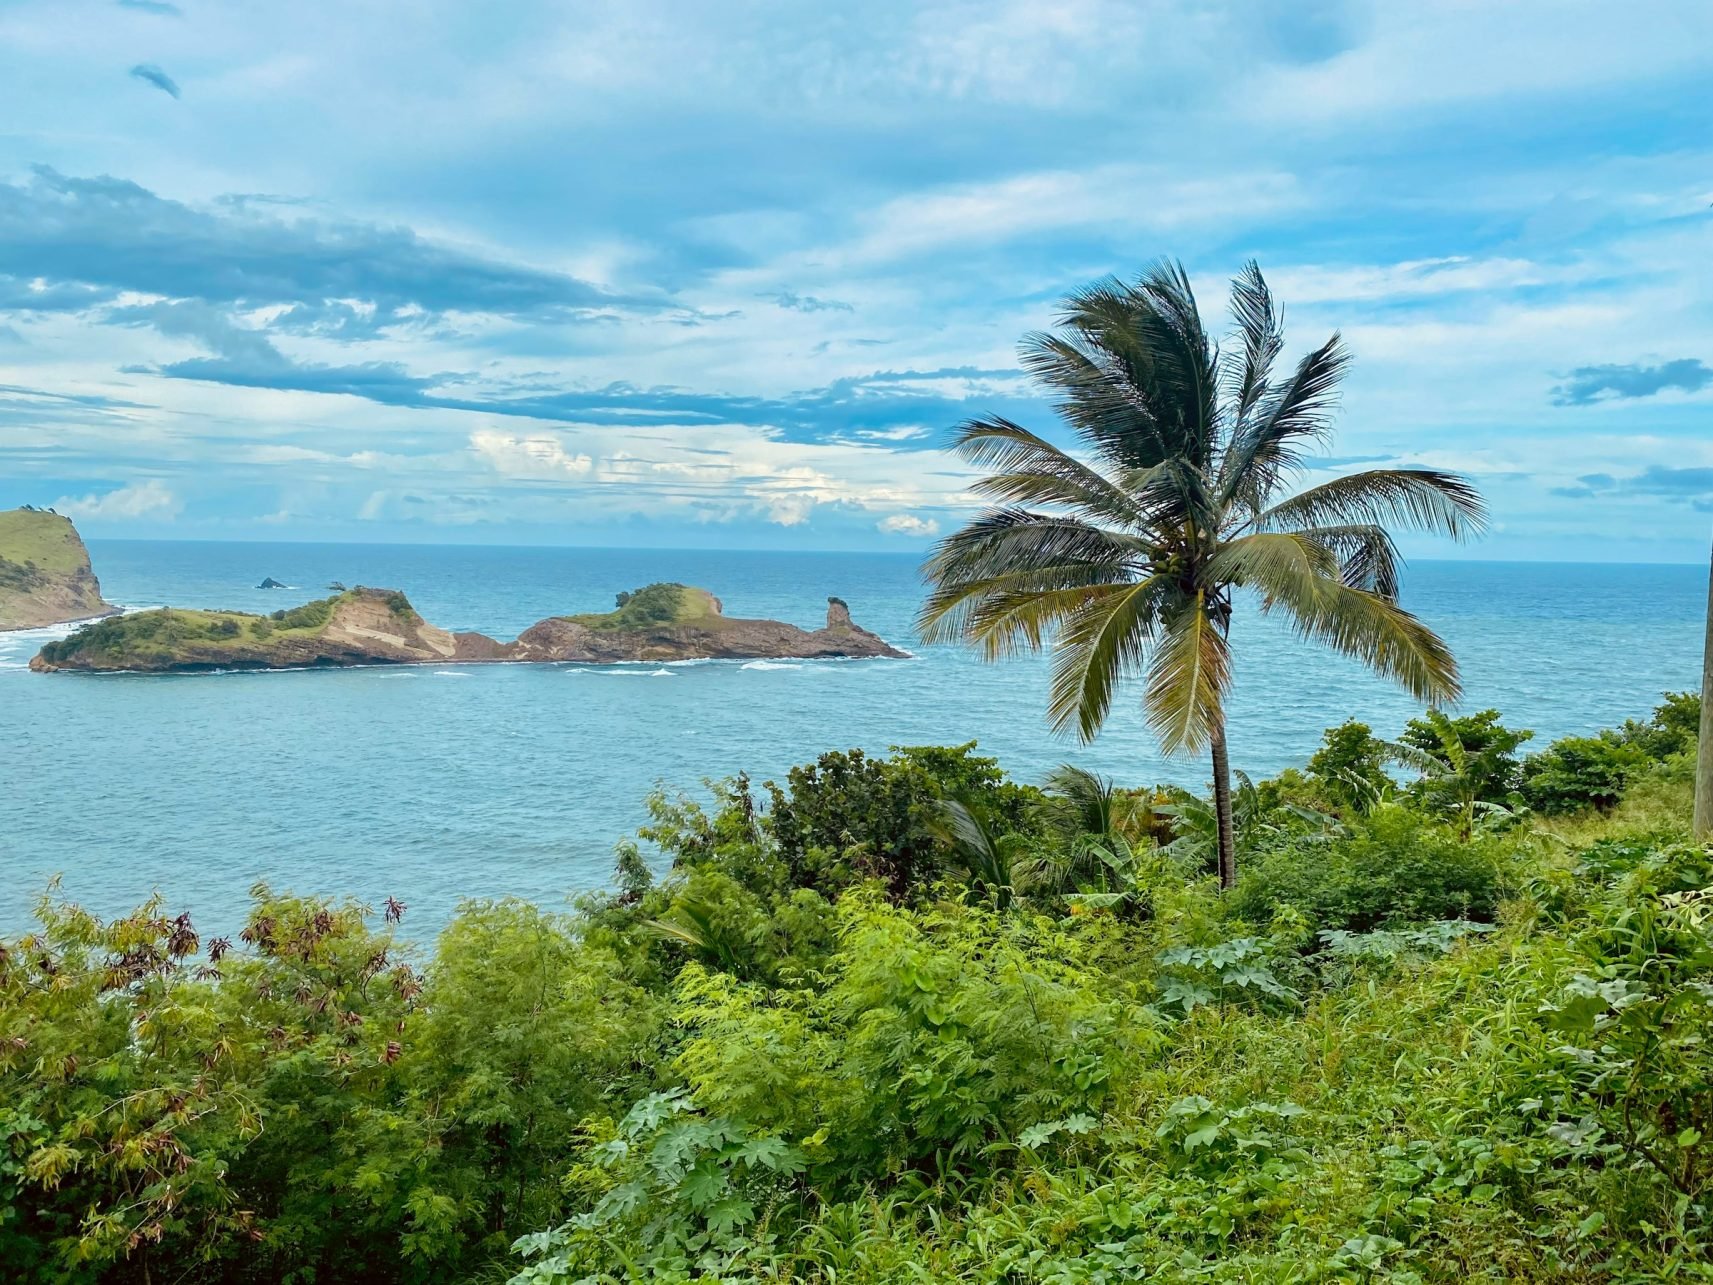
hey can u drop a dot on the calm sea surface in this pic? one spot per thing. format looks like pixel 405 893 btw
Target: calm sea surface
pixel 436 784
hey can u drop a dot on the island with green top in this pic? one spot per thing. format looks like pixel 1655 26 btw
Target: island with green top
pixel 363 626
pixel 45 576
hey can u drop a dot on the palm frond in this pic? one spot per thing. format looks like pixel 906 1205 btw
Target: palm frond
pixel 1133 369
pixel 1091 797
pixel 1014 551
pixel 1248 371
pixel 1427 766
pixel 1271 442
pixel 1101 644
pixel 1184 364
pixel 1424 499
pixel 1100 393
pixel 985 856
pixel 1282 565
pixel 1018 616
pixel 1378 632
pixel 1025 469
pixel 1188 676
pixel 1367 557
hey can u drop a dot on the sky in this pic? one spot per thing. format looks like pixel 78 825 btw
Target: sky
pixel 676 273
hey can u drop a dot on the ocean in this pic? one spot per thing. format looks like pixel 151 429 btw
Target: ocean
pixel 437 784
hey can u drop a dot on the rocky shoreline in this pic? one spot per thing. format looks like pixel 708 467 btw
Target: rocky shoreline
pixel 365 626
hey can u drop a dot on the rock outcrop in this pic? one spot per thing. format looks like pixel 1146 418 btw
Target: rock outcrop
pixel 45 576
pixel 699 630
pixel 380 627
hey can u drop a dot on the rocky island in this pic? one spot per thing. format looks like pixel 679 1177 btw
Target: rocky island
pixel 45 576
pixel 678 622
pixel 363 626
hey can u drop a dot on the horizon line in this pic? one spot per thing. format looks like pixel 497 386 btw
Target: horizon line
pixel 816 552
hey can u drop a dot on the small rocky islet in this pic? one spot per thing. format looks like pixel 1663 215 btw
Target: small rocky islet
pixel 365 626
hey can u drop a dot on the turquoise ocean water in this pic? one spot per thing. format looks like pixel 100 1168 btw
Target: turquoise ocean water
pixel 434 784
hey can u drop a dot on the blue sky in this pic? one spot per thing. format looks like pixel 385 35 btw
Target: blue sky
pixel 723 274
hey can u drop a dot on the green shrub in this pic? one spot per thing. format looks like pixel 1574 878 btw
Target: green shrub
pixel 672 1188
pixel 934 1036
pixel 1478 751
pixel 1349 770
pixel 301 1105
pixel 1394 867
pixel 311 615
pixel 849 817
pixel 1673 729
pixel 655 604
pixel 108 635
pixel 1579 772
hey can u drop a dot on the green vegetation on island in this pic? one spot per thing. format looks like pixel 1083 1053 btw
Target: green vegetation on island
pixel 45 576
pixel 904 1018
pixel 176 638
pixel 659 605
pixel 37 538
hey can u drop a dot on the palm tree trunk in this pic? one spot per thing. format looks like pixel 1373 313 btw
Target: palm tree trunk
pixel 1703 822
pixel 1222 809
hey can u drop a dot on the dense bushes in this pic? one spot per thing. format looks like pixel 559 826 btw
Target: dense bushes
pixel 1395 865
pixel 933 1036
pixel 302 1105
pixel 1418 1042
pixel 849 816
pixel 1579 772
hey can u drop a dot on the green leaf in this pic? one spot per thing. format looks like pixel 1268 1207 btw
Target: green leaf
pixel 732 1211
pixel 703 1185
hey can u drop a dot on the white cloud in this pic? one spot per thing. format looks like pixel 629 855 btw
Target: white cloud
pixel 151 499
pixel 1113 196
pixel 907 524
pixel 536 456
pixel 1420 277
pixel 716 473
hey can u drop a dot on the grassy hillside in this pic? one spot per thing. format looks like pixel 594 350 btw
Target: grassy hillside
pixel 655 606
pixel 46 541
pixel 1450 1028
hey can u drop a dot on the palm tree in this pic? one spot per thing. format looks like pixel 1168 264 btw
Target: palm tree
pixel 1128 556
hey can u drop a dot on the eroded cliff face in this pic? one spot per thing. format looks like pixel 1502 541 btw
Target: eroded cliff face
pixel 380 627
pixel 45 576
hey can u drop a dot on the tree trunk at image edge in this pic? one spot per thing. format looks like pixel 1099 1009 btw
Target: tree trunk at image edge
pixel 1704 752
pixel 1222 811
